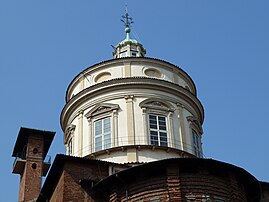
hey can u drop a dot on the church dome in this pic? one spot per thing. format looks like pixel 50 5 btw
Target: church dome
pixel 132 109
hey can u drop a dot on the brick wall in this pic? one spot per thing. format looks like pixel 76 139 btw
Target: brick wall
pixel 31 178
pixel 176 184
pixel 178 180
pixel 68 187
pixel 59 190
pixel 203 185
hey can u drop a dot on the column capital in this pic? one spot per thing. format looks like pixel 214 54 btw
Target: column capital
pixel 80 113
pixel 128 97
pixel 180 106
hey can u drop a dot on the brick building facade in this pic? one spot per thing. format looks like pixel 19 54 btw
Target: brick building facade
pixel 179 179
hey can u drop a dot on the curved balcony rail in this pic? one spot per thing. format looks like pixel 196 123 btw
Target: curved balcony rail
pixel 137 140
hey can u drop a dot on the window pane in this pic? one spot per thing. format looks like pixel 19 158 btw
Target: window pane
pixel 107 136
pixel 98 127
pixel 103 134
pixel 107 121
pixel 153 117
pixel 157 126
pixel 133 53
pixel 154 137
pixel 196 145
pixel 163 144
pixel 153 122
pixel 154 133
pixel 163 135
pixel 152 126
pixel 107 141
pixel 162 122
pixel 98 143
pixel 163 139
pixel 154 142
pixel 107 125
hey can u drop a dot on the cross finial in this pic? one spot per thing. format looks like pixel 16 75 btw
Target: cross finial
pixel 126 19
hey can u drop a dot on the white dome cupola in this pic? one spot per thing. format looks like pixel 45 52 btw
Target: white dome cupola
pixel 132 109
pixel 128 47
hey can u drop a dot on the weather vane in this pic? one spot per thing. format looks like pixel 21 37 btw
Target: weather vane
pixel 126 19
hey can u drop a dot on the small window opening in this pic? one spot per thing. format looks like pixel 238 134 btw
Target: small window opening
pixel 34 166
pixel 123 54
pixel 35 150
pixel 134 54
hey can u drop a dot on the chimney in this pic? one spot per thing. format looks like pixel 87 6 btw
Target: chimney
pixel 30 152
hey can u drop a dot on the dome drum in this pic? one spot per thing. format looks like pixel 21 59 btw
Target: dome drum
pixel 127 107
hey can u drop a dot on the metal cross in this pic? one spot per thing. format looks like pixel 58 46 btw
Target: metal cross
pixel 126 19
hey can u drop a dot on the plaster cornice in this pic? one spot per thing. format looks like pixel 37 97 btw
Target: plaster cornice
pixel 130 83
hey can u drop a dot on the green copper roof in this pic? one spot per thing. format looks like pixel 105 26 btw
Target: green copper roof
pixel 127 20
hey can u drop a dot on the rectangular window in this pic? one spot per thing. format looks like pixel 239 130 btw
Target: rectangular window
pixel 123 54
pixel 158 131
pixel 196 144
pixel 102 134
pixel 133 53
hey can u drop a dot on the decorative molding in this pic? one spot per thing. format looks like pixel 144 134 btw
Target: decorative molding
pixel 69 132
pixel 100 109
pixel 182 128
pixel 152 72
pixel 179 105
pixel 102 77
pixel 195 123
pixel 80 114
pixel 145 60
pixel 156 104
pixel 128 97
pixel 130 83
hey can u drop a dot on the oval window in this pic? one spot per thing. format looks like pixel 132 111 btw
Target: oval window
pixel 153 73
pixel 102 77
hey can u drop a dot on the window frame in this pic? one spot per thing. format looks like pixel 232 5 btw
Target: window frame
pixel 195 127
pixel 161 108
pixel 103 111
pixel 158 130
pixel 70 147
pixel 102 134
pixel 123 54
pixel 196 141
pixel 134 53
pixel 69 139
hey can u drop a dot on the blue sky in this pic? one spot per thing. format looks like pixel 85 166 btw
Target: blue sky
pixel 222 45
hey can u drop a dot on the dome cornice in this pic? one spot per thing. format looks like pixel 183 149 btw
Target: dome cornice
pixel 130 83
